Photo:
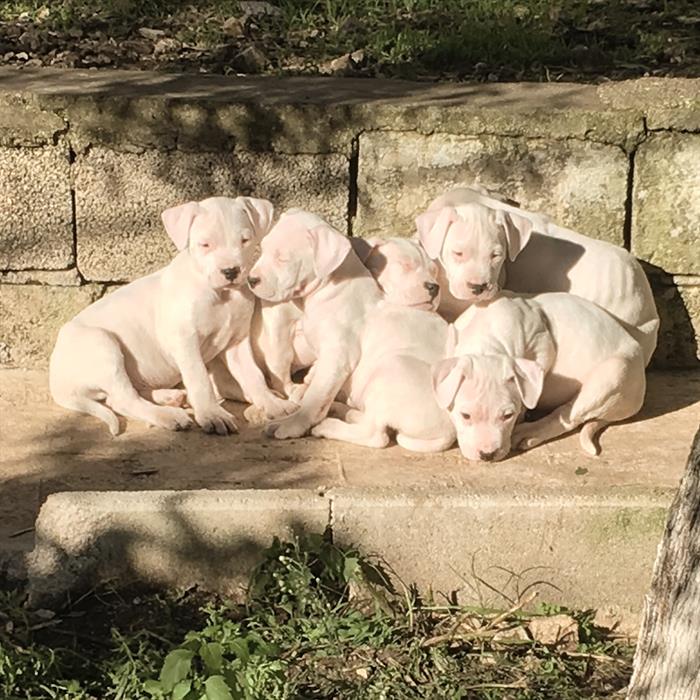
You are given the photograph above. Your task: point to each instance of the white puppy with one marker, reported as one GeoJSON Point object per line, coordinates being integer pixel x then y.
{"type": "Point", "coordinates": [484, 244]}
{"type": "Point", "coordinates": [556, 352]}
{"type": "Point", "coordinates": [391, 388]}
{"type": "Point", "coordinates": [404, 273]}
{"type": "Point", "coordinates": [306, 260]}
{"type": "Point", "coordinates": [127, 351]}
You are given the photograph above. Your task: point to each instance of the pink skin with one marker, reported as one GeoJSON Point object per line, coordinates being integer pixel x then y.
{"type": "Point", "coordinates": [403, 270]}
{"type": "Point", "coordinates": [485, 395]}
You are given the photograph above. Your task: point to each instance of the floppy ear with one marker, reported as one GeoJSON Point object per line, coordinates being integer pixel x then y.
{"type": "Point", "coordinates": [260, 213]}
{"type": "Point", "coordinates": [330, 249]}
{"type": "Point", "coordinates": [447, 377]}
{"type": "Point", "coordinates": [432, 228]}
{"type": "Point", "coordinates": [529, 378]}
{"type": "Point", "coordinates": [178, 221]}
{"type": "Point", "coordinates": [518, 229]}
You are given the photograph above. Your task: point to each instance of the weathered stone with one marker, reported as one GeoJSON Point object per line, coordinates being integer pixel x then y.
{"type": "Point", "coordinates": [678, 302]}
{"type": "Point", "coordinates": [36, 230]}
{"type": "Point", "coordinates": [57, 278]}
{"type": "Point", "coordinates": [580, 185]}
{"type": "Point", "coordinates": [119, 198]}
{"type": "Point", "coordinates": [447, 542]}
{"type": "Point", "coordinates": [668, 103]}
{"type": "Point", "coordinates": [25, 123]}
{"type": "Point", "coordinates": [666, 205]}
{"type": "Point", "coordinates": [30, 316]}
{"type": "Point", "coordinates": [178, 539]}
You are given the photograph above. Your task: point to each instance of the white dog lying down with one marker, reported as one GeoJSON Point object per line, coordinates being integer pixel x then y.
{"type": "Point", "coordinates": [484, 244]}
{"type": "Point", "coordinates": [391, 387]}
{"type": "Point", "coordinates": [556, 352]}
{"type": "Point", "coordinates": [405, 275]}
{"type": "Point", "coordinates": [127, 351]}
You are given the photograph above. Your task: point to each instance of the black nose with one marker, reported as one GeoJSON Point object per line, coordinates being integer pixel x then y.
{"type": "Point", "coordinates": [253, 282]}
{"type": "Point", "coordinates": [230, 273]}
{"type": "Point", "coordinates": [432, 288]}
{"type": "Point", "coordinates": [478, 288]}
{"type": "Point", "coordinates": [487, 456]}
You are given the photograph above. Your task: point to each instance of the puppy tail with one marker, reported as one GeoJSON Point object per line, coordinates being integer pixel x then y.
{"type": "Point", "coordinates": [588, 435]}
{"type": "Point", "coordinates": [97, 409]}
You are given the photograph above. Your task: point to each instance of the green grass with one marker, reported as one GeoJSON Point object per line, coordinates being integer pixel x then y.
{"type": "Point", "coordinates": [483, 39]}
{"type": "Point", "coordinates": [320, 622]}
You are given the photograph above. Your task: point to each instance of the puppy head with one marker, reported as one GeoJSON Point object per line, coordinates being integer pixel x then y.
{"type": "Point", "coordinates": [485, 395]}
{"type": "Point", "coordinates": [403, 271]}
{"type": "Point", "coordinates": [220, 234]}
{"type": "Point", "coordinates": [472, 241]}
{"type": "Point", "coordinates": [300, 250]}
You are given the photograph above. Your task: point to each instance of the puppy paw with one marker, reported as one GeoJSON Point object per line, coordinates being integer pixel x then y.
{"type": "Point", "coordinates": [524, 439]}
{"type": "Point", "coordinates": [296, 392]}
{"type": "Point", "coordinates": [170, 397]}
{"type": "Point", "coordinates": [255, 415]}
{"type": "Point", "coordinates": [172, 418]}
{"type": "Point", "coordinates": [293, 427]}
{"type": "Point", "coordinates": [216, 419]}
{"type": "Point", "coordinates": [275, 407]}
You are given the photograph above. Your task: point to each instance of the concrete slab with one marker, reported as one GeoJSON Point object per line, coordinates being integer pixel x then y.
{"type": "Point", "coordinates": [592, 523]}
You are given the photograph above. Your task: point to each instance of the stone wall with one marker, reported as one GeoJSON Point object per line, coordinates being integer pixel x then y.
{"type": "Point", "coordinates": [89, 159]}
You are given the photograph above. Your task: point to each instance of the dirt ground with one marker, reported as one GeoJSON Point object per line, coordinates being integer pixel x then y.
{"type": "Point", "coordinates": [45, 449]}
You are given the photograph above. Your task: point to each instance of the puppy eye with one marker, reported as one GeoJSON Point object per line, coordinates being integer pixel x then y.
{"type": "Point", "coordinates": [466, 417]}
{"type": "Point", "coordinates": [245, 241]}
{"type": "Point", "coordinates": [496, 254]}
{"type": "Point", "coordinates": [203, 244]}
{"type": "Point", "coordinates": [507, 415]}
{"type": "Point", "coordinates": [457, 253]}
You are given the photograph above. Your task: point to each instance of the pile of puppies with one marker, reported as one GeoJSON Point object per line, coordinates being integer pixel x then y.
{"type": "Point", "coordinates": [488, 312]}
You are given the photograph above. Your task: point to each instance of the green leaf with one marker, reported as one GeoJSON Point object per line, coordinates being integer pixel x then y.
{"type": "Point", "coordinates": [153, 688]}
{"type": "Point", "coordinates": [240, 649]}
{"type": "Point", "coordinates": [350, 568]}
{"type": "Point", "coordinates": [175, 668]}
{"type": "Point", "coordinates": [181, 690]}
{"type": "Point", "coordinates": [217, 689]}
{"type": "Point", "coordinates": [212, 655]}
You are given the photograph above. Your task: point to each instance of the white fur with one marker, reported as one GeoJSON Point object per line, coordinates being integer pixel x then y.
{"type": "Point", "coordinates": [556, 351]}
{"type": "Point", "coordinates": [126, 352]}
{"type": "Point", "coordinates": [484, 244]}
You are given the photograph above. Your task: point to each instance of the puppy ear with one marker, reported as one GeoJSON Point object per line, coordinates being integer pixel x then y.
{"type": "Point", "coordinates": [529, 378]}
{"type": "Point", "coordinates": [432, 228]}
{"type": "Point", "coordinates": [260, 213]}
{"type": "Point", "coordinates": [330, 248]}
{"type": "Point", "coordinates": [518, 229]}
{"type": "Point", "coordinates": [447, 377]}
{"type": "Point", "coordinates": [178, 222]}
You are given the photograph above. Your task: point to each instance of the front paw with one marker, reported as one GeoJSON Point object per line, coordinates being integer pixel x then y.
{"type": "Point", "coordinates": [294, 426]}
{"type": "Point", "coordinates": [275, 407]}
{"type": "Point", "coordinates": [524, 438]}
{"type": "Point", "coordinates": [216, 419]}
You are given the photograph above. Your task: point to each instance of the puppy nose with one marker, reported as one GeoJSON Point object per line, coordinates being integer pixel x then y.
{"type": "Point", "coordinates": [253, 282]}
{"type": "Point", "coordinates": [230, 273]}
{"type": "Point", "coordinates": [432, 288]}
{"type": "Point", "coordinates": [487, 456]}
{"type": "Point", "coordinates": [478, 288]}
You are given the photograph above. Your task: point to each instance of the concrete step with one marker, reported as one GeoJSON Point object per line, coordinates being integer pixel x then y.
{"type": "Point", "coordinates": [183, 509]}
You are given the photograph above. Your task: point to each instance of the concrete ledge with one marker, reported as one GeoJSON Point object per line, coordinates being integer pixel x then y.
{"type": "Point", "coordinates": [588, 552]}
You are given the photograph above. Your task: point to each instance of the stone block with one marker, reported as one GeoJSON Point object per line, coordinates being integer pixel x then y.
{"type": "Point", "coordinates": [581, 185]}
{"type": "Point", "coordinates": [678, 302]}
{"type": "Point", "coordinates": [30, 316]}
{"type": "Point", "coordinates": [36, 229]}
{"type": "Point", "coordinates": [119, 198]}
{"type": "Point", "coordinates": [666, 207]}
{"type": "Point", "coordinates": [23, 122]}
{"type": "Point", "coordinates": [593, 551]}
{"type": "Point", "coordinates": [176, 539]}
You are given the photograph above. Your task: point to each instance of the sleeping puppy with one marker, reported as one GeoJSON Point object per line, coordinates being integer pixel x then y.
{"type": "Point", "coordinates": [126, 352]}
{"type": "Point", "coordinates": [405, 275]}
{"type": "Point", "coordinates": [307, 261]}
{"type": "Point", "coordinates": [554, 352]}
{"type": "Point", "coordinates": [484, 244]}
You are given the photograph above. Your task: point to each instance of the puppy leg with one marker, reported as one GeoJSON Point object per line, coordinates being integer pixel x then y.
{"type": "Point", "coordinates": [363, 433]}
{"type": "Point", "coordinates": [613, 392]}
{"type": "Point", "coordinates": [166, 397]}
